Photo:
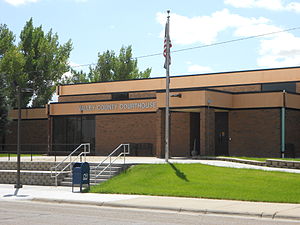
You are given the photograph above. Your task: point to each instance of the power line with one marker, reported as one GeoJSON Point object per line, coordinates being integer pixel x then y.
{"type": "Point", "coordinates": [205, 46]}
{"type": "Point", "coordinates": [222, 42]}
{"type": "Point", "coordinates": [200, 46]}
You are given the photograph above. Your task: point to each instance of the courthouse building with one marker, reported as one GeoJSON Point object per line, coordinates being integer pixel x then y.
{"type": "Point", "coordinates": [244, 113]}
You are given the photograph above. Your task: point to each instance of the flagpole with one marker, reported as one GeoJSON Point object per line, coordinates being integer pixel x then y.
{"type": "Point", "coordinates": [167, 122]}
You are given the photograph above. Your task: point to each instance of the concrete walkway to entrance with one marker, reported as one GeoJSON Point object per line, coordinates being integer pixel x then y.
{"type": "Point", "coordinates": [177, 204]}
{"type": "Point", "coordinates": [154, 160]}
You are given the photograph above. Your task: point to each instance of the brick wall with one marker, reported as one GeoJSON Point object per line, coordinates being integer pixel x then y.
{"type": "Point", "coordinates": [34, 136]}
{"type": "Point", "coordinates": [254, 132]}
{"type": "Point", "coordinates": [112, 130]}
{"type": "Point", "coordinates": [244, 88]}
{"type": "Point", "coordinates": [293, 130]}
{"type": "Point", "coordinates": [180, 134]}
{"type": "Point", "coordinates": [207, 131]}
{"type": "Point", "coordinates": [180, 141]}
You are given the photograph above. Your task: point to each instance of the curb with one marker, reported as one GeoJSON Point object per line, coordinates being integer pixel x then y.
{"type": "Point", "coordinates": [173, 209]}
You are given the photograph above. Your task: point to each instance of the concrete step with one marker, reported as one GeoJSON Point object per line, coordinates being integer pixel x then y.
{"type": "Point", "coordinates": [93, 173]}
{"type": "Point", "coordinates": [113, 168]}
{"type": "Point", "coordinates": [69, 179]}
{"type": "Point", "coordinates": [69, 183]}
{"type": "Point", "coordinates": [107, 174]}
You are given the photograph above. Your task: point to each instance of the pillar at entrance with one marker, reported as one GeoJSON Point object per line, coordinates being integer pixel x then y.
{"type": "Point", "coordinates": [207, 132]}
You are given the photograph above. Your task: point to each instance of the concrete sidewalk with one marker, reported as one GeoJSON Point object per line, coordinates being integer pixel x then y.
{"type": "Point", "coordinates": [196, 205]}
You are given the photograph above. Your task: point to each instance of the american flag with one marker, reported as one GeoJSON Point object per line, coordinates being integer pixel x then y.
{"type": "Point", "coordinates": [167, 45]}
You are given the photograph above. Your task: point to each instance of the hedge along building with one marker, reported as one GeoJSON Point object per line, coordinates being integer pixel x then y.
{"type": "Point", "coordinates": [247, 113]}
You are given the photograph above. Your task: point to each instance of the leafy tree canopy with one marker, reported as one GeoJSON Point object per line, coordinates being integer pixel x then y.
{"type": "Point", "coordinates": [111, 67]}
{"type": "Point", "coordinates": [38, 61]}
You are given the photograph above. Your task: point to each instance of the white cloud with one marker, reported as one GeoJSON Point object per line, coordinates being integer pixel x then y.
{"type": "Point", "coordinates": [294, 6]}
{"type": "Point", "coordinates": [23, 2]}
{"type": "Point", "coordinates": [205, 29]}
{"type": "Point", "coordinates": [199, 69]}
{"type": "Point", "coordinates": [280, 51]}
{"type": "Point", "coordinates": [276, 50]}
{"type": "Point", "coordinates": [20, 2]}
{"type": "Point", "coordinates": [276, 5]}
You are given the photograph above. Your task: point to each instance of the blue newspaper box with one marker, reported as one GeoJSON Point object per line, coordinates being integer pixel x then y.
{"type": "Point", "coordinates": [80, 174]}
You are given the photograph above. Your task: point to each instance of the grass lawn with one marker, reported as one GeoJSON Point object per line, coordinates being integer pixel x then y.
{"type": "Point", "coordinates": [196, 180]}
{"type": "Point", "coordinates": [264, 159]}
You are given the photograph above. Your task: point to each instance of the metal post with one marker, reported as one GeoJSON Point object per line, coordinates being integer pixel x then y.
{"type": "Point", "coordinates": [207, 118]}
{"type": "Point", "coordinates": [283, 127]}
{"type": "Point", "coordinates": [124, 147]}
{"type": "Point", "coordinates": [110, 166]}
{"type": "Point", "coordinates": [49, 130]}
{"type": "Point", "coordinates": [282, 131]}
{"type": "Point", "coordinates": [18, 183]}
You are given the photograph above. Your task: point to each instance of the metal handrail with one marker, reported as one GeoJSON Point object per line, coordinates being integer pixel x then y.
{"type": "Point", "coordinates": [126, 151]}
{"type": "Point", "coordinates": [86, 150]}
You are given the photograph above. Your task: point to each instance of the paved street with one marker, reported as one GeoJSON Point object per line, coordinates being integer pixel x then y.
{"type": "Point", "coordinates": [25, 212]}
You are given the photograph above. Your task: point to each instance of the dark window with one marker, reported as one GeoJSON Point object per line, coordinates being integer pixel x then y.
{"type": "Point", "coordinates": [120, 96]}
{"type": "Point", "coordinates": [289, 87]}
{"type": "Point", "coordinates": [70, 131]}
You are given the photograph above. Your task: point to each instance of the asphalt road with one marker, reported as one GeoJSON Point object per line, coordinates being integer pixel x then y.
{"type": "Point", "coordinates": [25, 212]}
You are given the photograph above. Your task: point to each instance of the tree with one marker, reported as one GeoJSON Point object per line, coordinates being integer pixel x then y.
{"type": "Point", "coordinates": [75, 78]}
{"type": "Point", "coordinates": [38, 62]}
{"type": "Point", "coordinates": [7, 39]}
{"type": "Point", "coordinates": [3, 108]}
{"type": "Point", "coordinates": [111, 67]}
{"type": "Point", "coordinates": [45, 61]}
{"type": "Point", "coordinates": [12, 68]}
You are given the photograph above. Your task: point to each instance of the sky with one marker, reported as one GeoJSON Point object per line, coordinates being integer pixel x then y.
{"type": "Point", "coordinates": [95, 26]}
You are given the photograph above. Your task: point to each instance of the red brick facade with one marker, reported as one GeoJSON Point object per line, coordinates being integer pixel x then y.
{"type": "Point", "coordinates": [293, 133]}
{"type": "Point", "coordinates": [254, 132]}
{"type": "Point", "coordinates": [115, 129]}
{"type": "Point", "coordinates": [236, 114]}
{"type": "Point", "coordinates": [34, 136]}
{"type": "Point", "coordinates": [180, 134]}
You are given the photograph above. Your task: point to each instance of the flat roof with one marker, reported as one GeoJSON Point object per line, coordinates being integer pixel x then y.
{"type": "Point", "coordinates": [248, 77]}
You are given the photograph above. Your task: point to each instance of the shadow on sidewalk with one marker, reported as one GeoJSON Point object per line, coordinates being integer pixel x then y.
{"type": "Point", "coordinates": [178, 173]}
{"type": "Point", "coordinates": [15, 194]}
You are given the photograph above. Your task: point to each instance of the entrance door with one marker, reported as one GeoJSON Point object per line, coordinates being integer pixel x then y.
{"type": "Point", "coordinates": [221, 133]}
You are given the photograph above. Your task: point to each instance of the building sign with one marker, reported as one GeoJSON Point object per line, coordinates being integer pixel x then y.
{"type": "Point", "coordinates": [118, 106]}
